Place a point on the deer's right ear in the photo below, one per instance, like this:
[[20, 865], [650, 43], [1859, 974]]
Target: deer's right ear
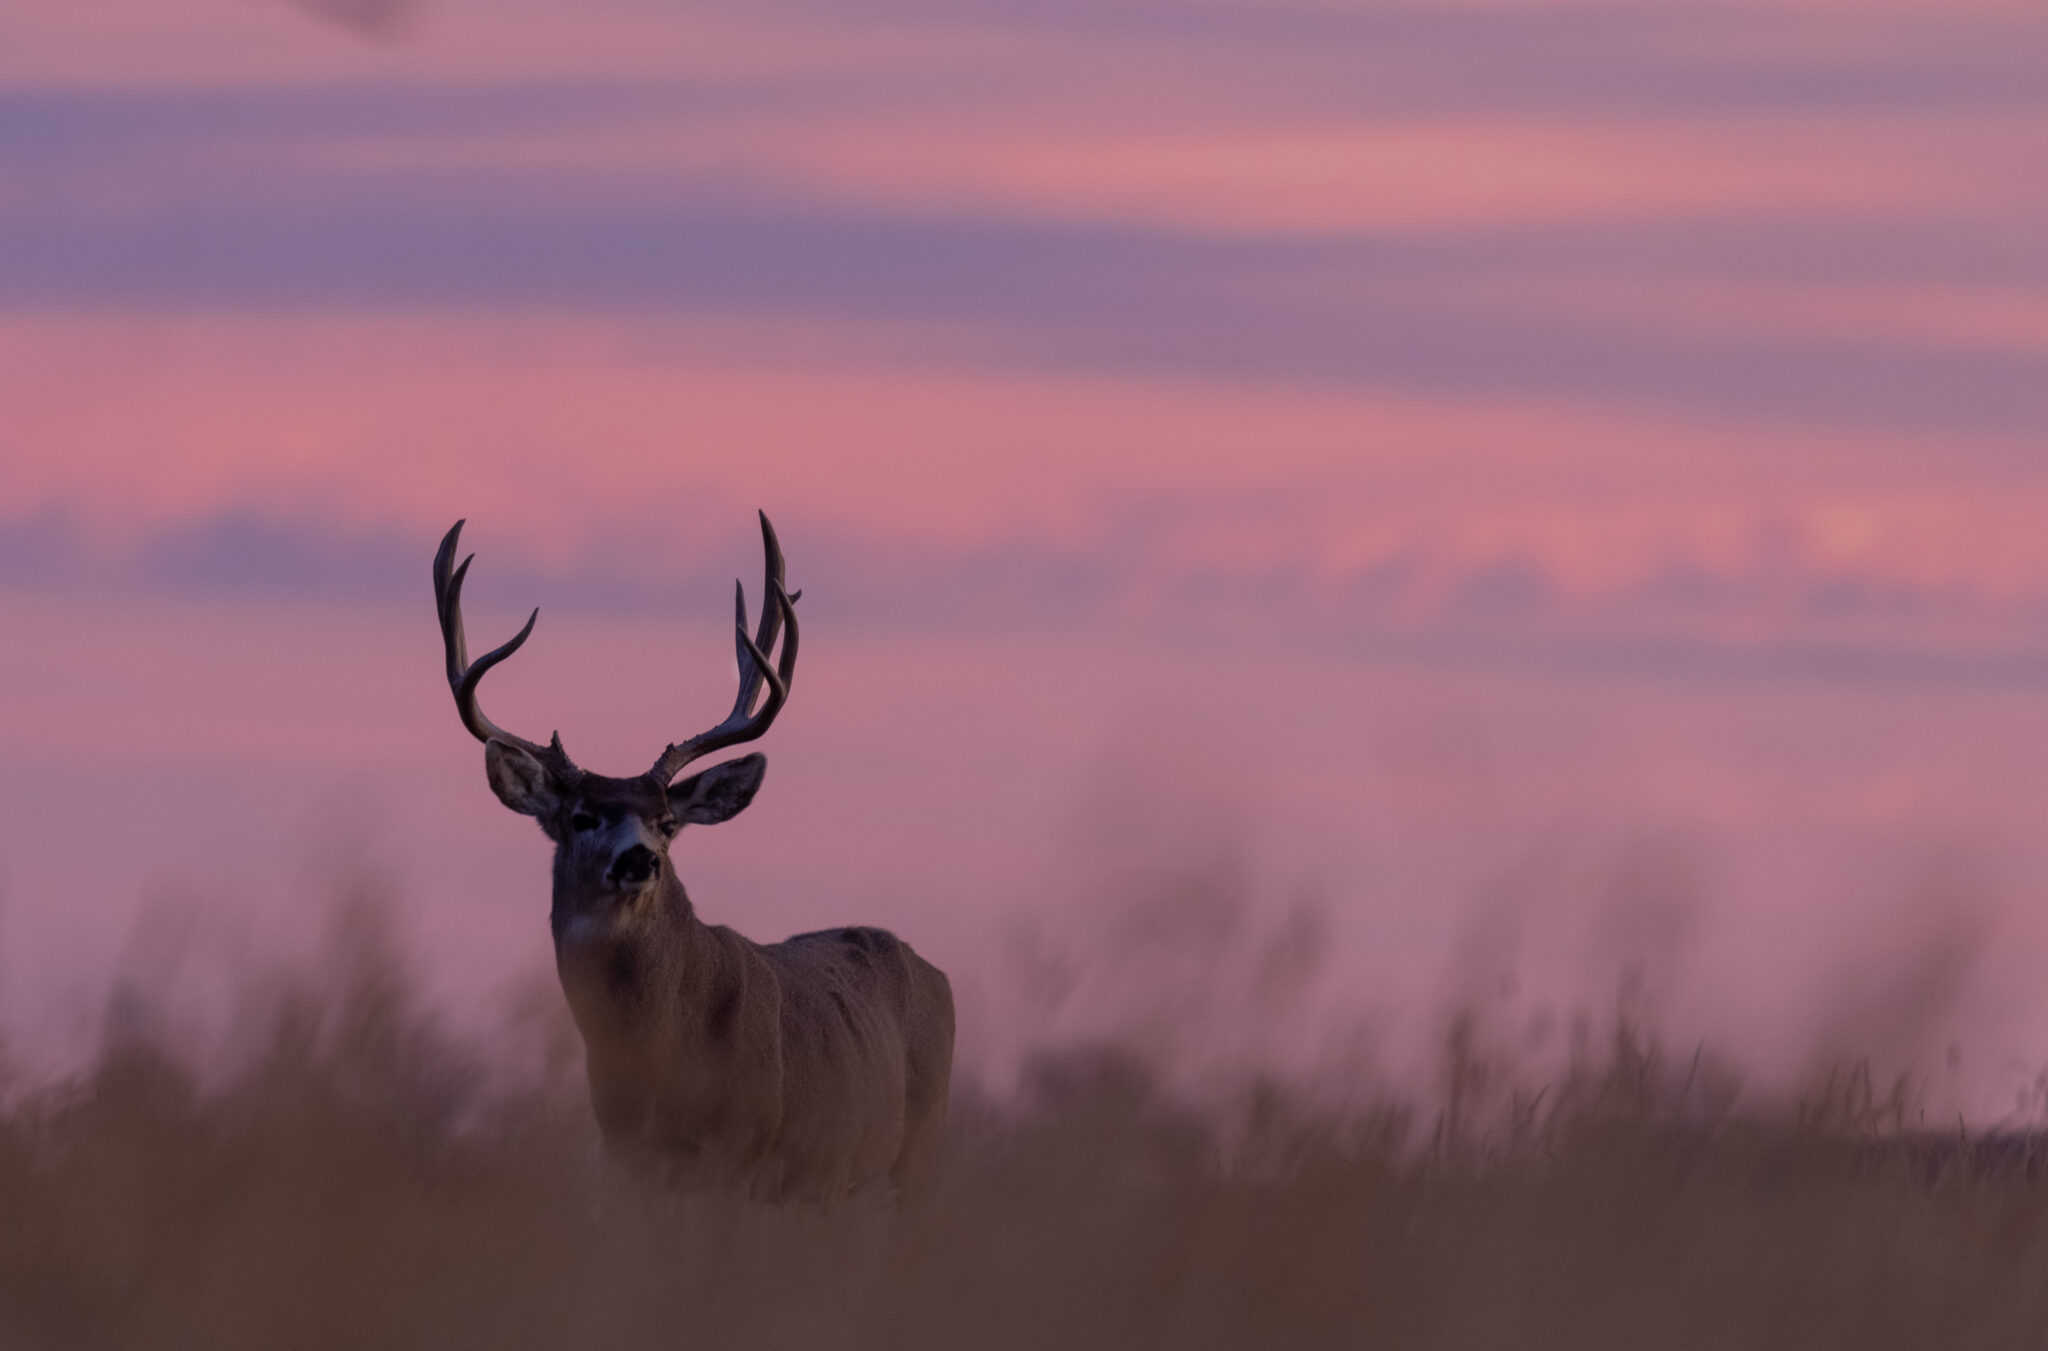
[[520, 781]]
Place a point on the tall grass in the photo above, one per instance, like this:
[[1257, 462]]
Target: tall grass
[[360, 1180]]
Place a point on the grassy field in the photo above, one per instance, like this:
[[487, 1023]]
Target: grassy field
[[360, 1181]]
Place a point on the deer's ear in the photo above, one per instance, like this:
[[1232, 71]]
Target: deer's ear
[[520, 781], [720, 792]]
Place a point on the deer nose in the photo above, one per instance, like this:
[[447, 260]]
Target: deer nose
[[633, 867]]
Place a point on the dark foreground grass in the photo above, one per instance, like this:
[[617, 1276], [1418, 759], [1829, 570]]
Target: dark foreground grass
[[358, 1182]]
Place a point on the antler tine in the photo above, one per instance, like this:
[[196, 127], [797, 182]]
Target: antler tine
[[744, 722], [463, 674], [752, 672]]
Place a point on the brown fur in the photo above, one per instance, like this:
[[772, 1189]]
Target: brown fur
[[799, 1070]]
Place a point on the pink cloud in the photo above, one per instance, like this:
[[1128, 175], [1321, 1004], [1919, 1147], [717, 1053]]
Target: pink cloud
[[556, 434]]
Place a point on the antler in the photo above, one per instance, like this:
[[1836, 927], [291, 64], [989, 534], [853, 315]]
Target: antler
[[463, 674], [778, 610]]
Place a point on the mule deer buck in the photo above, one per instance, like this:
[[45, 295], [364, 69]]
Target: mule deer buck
[[802, 1069]]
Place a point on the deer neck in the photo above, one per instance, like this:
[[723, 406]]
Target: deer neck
[[625, 984]]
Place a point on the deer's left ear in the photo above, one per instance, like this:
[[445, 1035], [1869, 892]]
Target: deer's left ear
[[720, 792]]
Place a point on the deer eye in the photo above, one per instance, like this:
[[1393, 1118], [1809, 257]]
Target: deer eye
[[582, 821], [668, 826]]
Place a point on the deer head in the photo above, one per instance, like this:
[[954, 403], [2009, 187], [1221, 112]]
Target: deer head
[[612, 835]]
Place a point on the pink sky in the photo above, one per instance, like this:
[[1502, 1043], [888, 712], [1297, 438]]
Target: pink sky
[[1428, 449]]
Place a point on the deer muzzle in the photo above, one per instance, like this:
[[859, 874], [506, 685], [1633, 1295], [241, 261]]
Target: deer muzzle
[[635, 867]]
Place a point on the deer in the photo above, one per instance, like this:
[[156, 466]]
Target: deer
[[804, 1070]]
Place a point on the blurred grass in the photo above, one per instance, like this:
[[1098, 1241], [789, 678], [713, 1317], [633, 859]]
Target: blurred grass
[[361, 1180]]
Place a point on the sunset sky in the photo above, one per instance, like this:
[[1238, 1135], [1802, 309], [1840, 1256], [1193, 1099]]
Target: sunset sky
[[1506, 492]]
